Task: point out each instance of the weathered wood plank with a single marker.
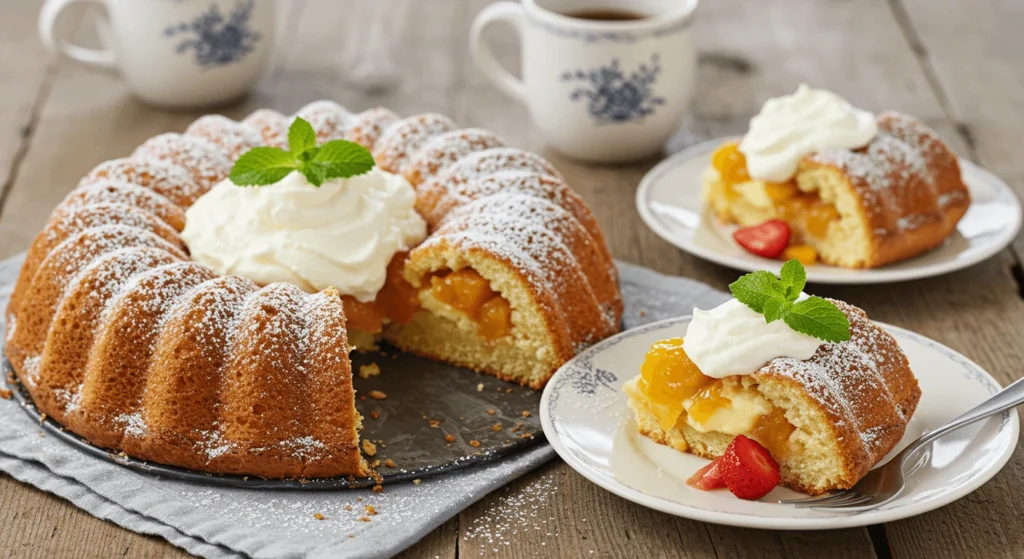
(975, 68)
(27, 71)
(974, 56)
(38, 525)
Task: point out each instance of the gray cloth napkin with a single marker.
(217, 522)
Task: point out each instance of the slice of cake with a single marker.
(856, 190)
(826, 411)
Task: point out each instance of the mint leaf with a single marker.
(775, 309)
(794, 278)
(756, 289)
(261, 166)
(315, 173)
(344, 159)
(336, 159)
(301, 137)
(819, 318)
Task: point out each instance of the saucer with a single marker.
(669, 201)
(587, 420)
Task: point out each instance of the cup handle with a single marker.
(483, 56)
(93, 58)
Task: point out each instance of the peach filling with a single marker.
(812, 214)
(668, 378)
(470, 293)
(396, 301)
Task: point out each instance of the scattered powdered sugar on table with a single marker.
(514, 515)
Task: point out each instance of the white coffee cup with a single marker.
(599, 90)
(175, 53)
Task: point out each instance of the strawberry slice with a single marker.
(768, 239)
(707, 478)
(748, 469)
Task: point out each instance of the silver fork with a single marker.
(886, 482)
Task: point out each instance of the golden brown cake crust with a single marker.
(119, 337)
(908, 184)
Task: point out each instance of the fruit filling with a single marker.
(470, 293)
(807, 212)
(396, 302)
(677, 390)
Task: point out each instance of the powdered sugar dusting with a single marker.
(854, 379)
(446, 149)
(906, 172)
(271, 125)
(121, 192)
(133, 425)
(232, 137)
(329, 119)
(203, 160)
(170, 180)
(405, 137)
(369, 126)
(491, 161)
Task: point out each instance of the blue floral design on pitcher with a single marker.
(215, 40)
(614, 97)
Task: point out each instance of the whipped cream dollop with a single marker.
(342, 234)
(732, 339)
(793, 126)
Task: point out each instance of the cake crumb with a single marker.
(360, 499)
(378, 488)
(449, 438)
(508, 391)
(369, 448)
(435, 423)
(389, 463)
(474, 443)
(375, 414)
(526, 413)
(367, 371)
(6, 394)
(480, 387)
(643, 313)
(417, 481)
(496, 427)
(42, 419)
(351, 535)
(378, 395)
(375, 464)
(526, 436)
(491, 412)
(364, 519)
(370, 510)
(348, 507)
(318, 516)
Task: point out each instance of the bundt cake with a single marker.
(856, 205)
(826, 420)
(121, 337)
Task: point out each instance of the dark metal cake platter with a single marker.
(434, 418)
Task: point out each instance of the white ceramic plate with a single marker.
(669, 201)
(587, 420)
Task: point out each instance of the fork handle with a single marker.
(1009, 397)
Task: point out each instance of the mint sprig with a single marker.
(776, 298)
(335, 159)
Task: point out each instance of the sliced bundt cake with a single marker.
(117, 335)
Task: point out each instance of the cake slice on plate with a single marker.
(826, 392)
(817, 179)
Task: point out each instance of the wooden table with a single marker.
(959, 68)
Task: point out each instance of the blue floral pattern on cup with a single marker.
(216, 40)
(614, 97)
